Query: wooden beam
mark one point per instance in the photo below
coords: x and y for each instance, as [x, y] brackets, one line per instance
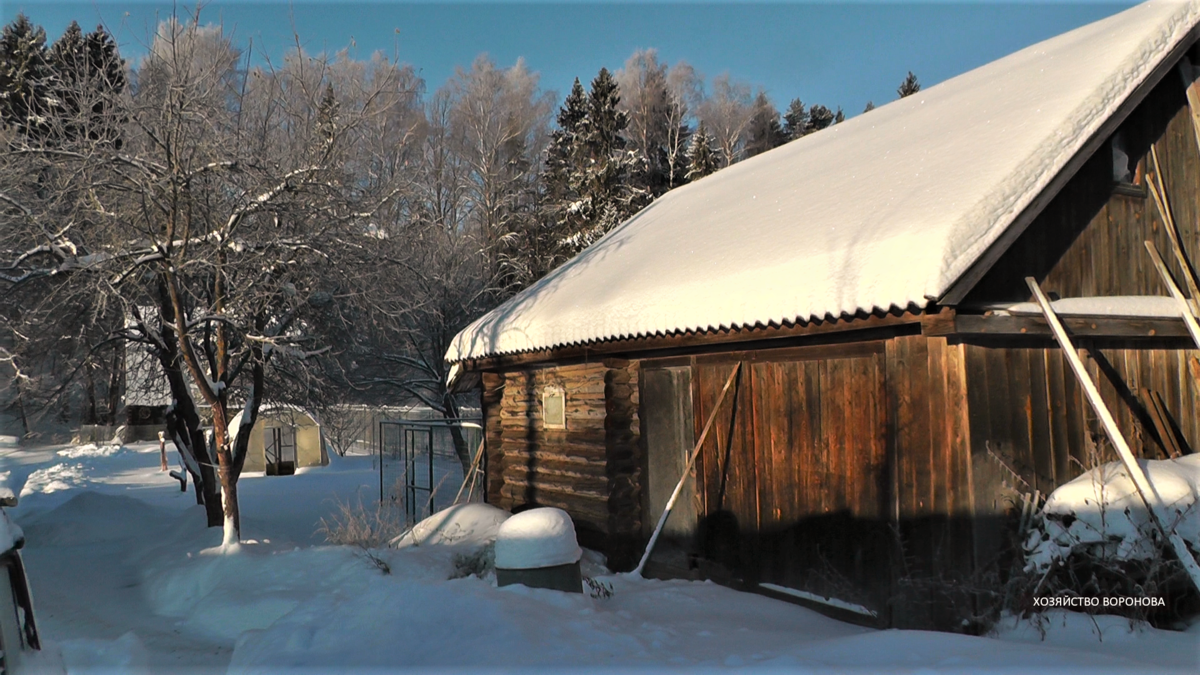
[1162, 424]
[1185, 309]
[1084, 326]
[1159, 192]
[941, 323]
[1145, 490]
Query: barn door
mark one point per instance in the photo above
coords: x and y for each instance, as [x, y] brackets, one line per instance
[822, 458]
[666, 414]
[794, 479]
[727, 529]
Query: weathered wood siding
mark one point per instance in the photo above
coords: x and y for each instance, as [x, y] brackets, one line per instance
[1032, 428]
[793, 479]
[589, 469]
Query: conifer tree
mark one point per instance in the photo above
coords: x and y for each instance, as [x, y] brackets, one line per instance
[765, 131]
[909, 86]
[702, 159]
[870, 107]
[819, 117]
[25, 77]
[88, 75]
[562, 178]
[588, 171]
[839, 116]
[795, 120]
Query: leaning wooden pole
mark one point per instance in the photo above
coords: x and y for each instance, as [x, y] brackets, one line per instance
[471, 472]
[1145, 490]
[1158, 191]
[662, 520]
[1185, 308]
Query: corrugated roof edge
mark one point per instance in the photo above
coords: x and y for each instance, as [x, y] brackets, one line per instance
[700, 331]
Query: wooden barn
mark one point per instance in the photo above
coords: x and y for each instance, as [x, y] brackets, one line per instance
[898, 400]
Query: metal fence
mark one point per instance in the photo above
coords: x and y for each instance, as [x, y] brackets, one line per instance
[419, 470]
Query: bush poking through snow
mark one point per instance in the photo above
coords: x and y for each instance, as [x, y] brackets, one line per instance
[1094, 538]
[481, 563]
[601, 590]
[353, 524]
[379, 563]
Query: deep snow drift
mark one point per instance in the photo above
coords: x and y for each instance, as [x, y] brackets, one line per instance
[126, 579]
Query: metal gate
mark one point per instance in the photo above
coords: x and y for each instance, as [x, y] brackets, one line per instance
[419, 470]
[280, 451]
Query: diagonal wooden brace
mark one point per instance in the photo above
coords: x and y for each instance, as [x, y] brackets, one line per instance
[1144, 488]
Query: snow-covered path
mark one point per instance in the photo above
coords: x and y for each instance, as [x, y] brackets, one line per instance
[126, 580]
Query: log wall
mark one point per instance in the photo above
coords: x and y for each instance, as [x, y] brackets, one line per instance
[589, 469]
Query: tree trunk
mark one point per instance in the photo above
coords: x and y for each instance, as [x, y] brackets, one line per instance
[231, 516]
[450, 412]
[114, 386]
[90, 414]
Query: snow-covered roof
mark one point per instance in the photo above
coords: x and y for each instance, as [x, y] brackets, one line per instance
[886, 210]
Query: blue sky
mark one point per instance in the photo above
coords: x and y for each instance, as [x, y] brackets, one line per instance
[843, 53]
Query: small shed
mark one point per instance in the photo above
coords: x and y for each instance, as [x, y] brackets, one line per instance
[893, 404]
[283, 439]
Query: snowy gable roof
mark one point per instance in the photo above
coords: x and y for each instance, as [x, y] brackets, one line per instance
[885, 210]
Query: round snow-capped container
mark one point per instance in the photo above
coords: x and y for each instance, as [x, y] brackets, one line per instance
[537, 548]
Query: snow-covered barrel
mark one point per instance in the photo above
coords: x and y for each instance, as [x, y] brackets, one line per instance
[537, 548]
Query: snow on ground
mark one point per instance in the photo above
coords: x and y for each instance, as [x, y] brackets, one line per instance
[126, 579]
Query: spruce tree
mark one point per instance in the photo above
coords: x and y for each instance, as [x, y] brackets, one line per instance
[765, 132]
[702, 159]
[795, 120]
[562, 177]
[25, 78]
[88, 76]
[870, 107]
[909, 86]
[839, 116]
[587, 177]
[819, 117]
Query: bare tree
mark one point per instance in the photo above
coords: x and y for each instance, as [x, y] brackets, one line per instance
[231, 227]
[685, 90]
[727, 113]
[499, 120]
[646, 100]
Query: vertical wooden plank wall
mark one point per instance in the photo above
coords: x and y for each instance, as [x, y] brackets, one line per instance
[793, 476]
[931, 488]
[1067, 438]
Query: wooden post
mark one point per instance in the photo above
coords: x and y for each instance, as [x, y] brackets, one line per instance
[1145, 489]
[662, 520]
[162, 452]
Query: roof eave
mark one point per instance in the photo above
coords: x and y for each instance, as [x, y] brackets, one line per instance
[967, 281]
